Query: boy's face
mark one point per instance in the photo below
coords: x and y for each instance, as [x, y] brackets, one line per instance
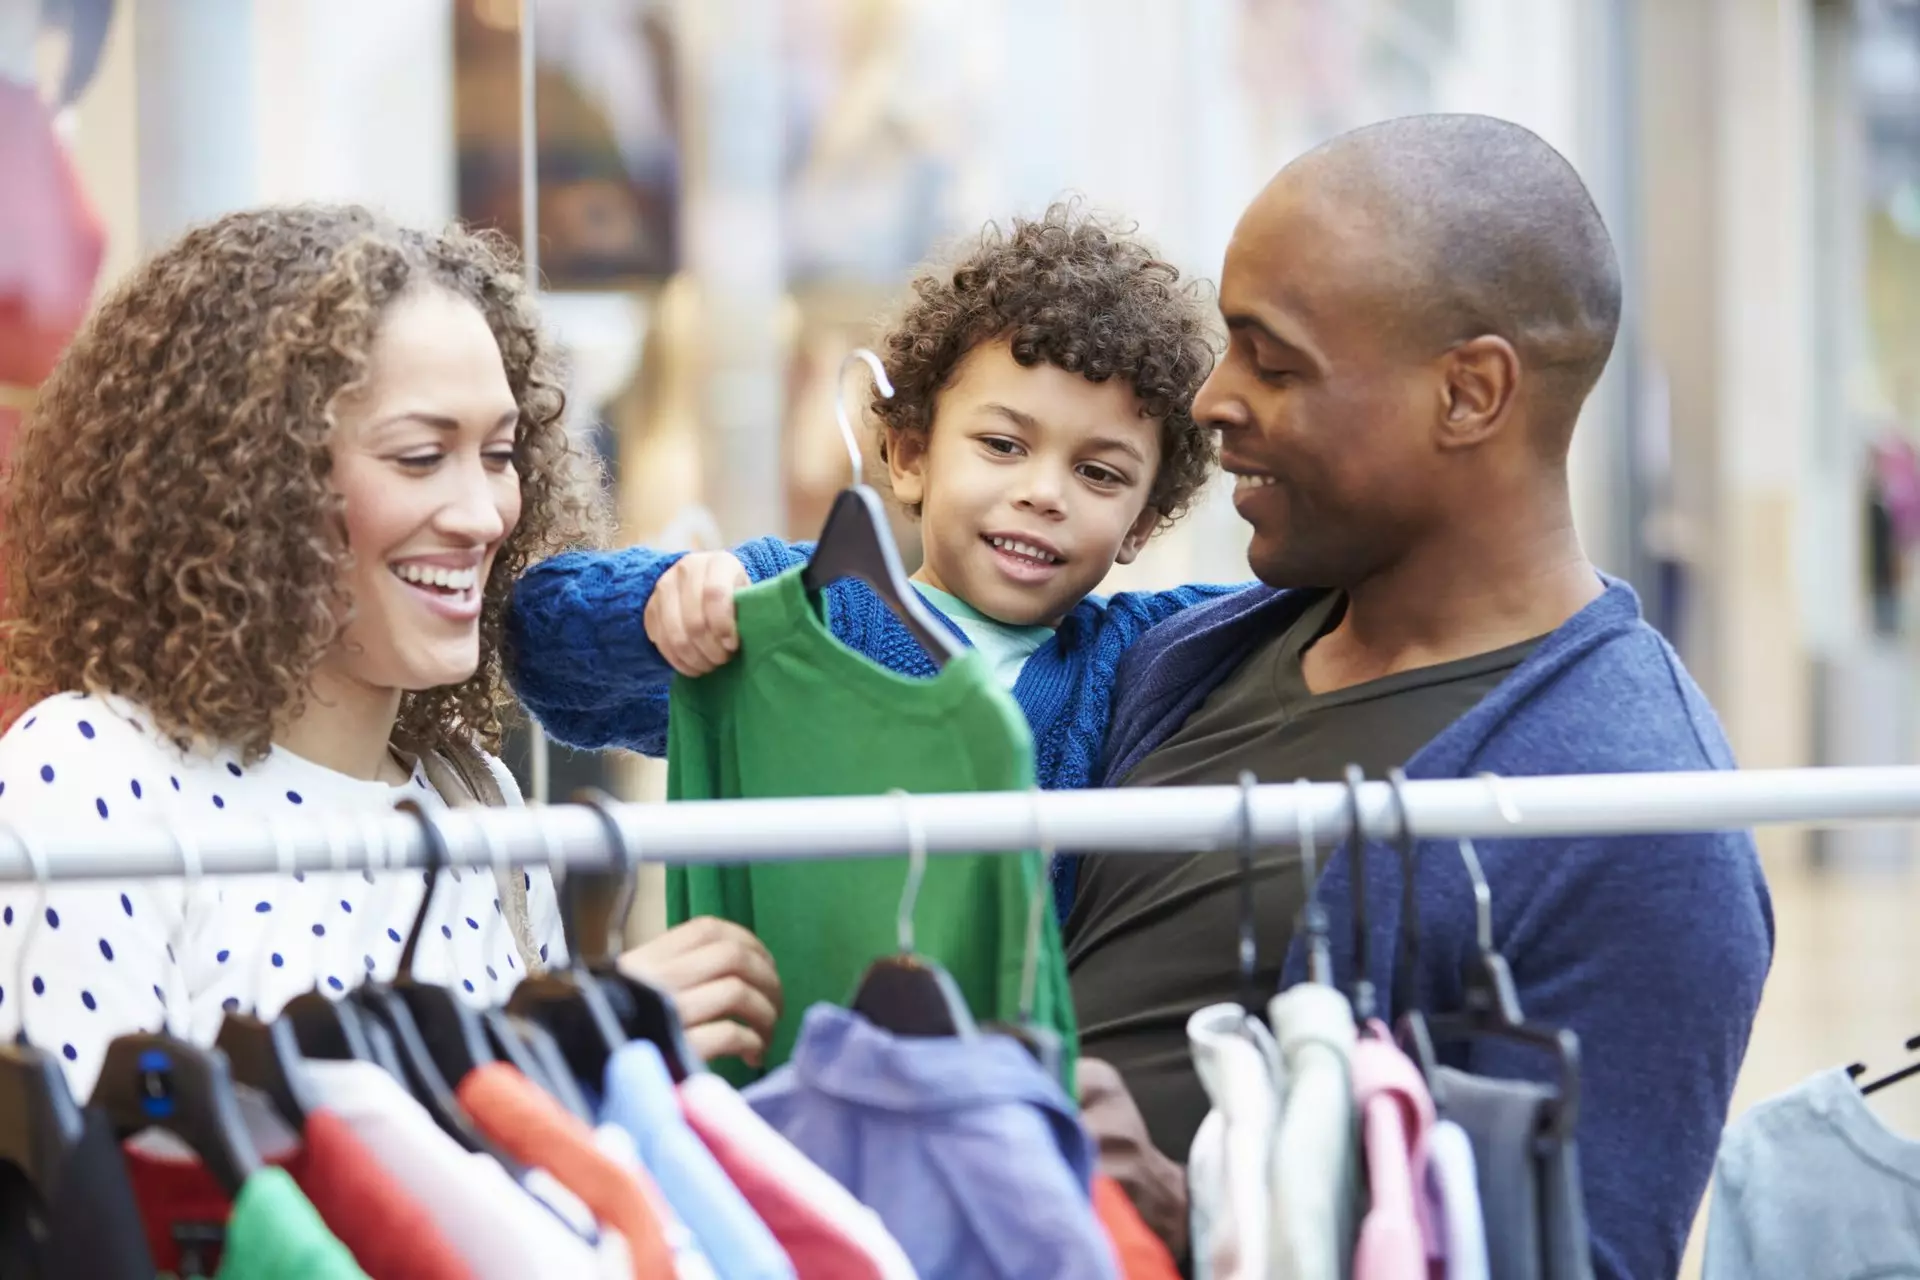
[1032, 484]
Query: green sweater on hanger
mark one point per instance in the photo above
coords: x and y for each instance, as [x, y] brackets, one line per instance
[796, 713]
[275, 1233]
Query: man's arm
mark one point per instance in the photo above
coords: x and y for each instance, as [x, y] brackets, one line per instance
[579, 655]
[1129, 614]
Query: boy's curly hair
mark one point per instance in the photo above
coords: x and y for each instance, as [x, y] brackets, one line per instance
[1077, 292]
[170, 532]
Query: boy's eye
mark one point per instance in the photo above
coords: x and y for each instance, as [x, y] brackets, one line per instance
[1103, 475]
[1001, 445]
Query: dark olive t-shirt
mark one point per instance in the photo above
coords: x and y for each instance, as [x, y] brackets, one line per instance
[1154, 937]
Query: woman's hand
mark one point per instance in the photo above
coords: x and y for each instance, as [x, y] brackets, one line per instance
[689, 617]
[721, 979]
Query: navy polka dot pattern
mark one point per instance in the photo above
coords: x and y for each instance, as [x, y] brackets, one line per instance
[128, 956]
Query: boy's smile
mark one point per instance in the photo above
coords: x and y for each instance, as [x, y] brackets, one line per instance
[1032, 484]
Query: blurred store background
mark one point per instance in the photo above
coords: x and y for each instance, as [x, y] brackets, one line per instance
[729, 192]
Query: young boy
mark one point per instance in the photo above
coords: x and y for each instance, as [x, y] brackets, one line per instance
[1040, 432]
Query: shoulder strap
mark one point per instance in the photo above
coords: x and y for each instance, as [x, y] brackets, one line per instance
[463, 778]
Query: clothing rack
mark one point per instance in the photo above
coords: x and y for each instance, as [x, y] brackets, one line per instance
[1169, 819]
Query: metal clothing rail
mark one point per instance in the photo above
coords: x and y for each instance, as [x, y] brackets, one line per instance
[1169, 819]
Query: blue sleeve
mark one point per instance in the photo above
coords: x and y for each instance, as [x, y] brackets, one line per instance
[1653, 950]
[1130, 614]
[578, 654]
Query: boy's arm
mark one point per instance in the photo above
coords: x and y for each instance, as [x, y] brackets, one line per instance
[579, 656]
[1129, 614]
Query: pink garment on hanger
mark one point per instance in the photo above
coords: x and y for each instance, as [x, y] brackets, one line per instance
[1396, 1111]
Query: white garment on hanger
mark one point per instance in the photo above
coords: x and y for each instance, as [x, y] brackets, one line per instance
[502, 1233]
[1229, 1165]
[100, 959]
[1453, 1197]
[1315, 1172]
[719, 1106]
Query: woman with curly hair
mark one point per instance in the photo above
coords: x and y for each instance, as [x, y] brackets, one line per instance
[260, 534]
[1040, 431]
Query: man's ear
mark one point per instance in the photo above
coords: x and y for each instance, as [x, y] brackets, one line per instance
[906, 466]
[1481, 377]
[1136, 539]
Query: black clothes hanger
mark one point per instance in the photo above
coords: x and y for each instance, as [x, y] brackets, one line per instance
[390, 1011]
[857, 541]
[266, 1055]
[157, 1082]
[1362, 993]
[1313, 915]
[594, 1006]
[538, 1057]
[1893, 1077]
[449, 1027]
[1406, 962]
[569, 1005]
[1490, 1010]
[904, 993]
[1042, 1042]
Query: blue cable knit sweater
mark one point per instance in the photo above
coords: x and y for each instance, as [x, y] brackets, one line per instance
[1653, 949]
[582, 663]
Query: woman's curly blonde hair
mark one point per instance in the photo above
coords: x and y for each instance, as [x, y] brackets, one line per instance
[171, 534]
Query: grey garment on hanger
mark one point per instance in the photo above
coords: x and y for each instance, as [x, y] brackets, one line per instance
[1812, 1184]
[1529, 1184]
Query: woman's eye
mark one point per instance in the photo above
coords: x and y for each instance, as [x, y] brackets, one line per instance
[501, 459]
[419, 461]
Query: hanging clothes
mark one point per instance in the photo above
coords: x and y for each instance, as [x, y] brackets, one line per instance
[1813, 1183]
[1451, 1215]
[1316, 1164]
[689, 1262]
[535, 1130]
[1536, 1221]
[1228, 1194]
[640, 1100]
[827, 1233]
[1138, 1252]
[389, 1233]
[1395, 1113]
[971, 1154]
[88, 1224]
[276, 1234]
[502, 1232]
[797, 713]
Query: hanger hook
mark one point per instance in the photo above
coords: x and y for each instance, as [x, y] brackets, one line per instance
[847, 433]
[43, 882]
[438, 856]
[1406, 965]
[621, 859]
[1249, 953]
[916, 870]
[1036, 907]
[1502, 798]
[1363, 998]
[1313, 915]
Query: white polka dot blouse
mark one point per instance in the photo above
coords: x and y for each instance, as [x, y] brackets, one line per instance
[84, 962]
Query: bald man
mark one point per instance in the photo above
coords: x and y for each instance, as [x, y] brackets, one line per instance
[1416, 313]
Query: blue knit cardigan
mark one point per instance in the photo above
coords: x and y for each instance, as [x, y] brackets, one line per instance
[580, 660]
[1653, 949]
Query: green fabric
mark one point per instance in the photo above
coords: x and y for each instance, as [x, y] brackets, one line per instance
[796, 713]
[1005, 646]
[275, 1233]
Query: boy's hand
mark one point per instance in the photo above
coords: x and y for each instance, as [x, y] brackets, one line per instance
[690, 617]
